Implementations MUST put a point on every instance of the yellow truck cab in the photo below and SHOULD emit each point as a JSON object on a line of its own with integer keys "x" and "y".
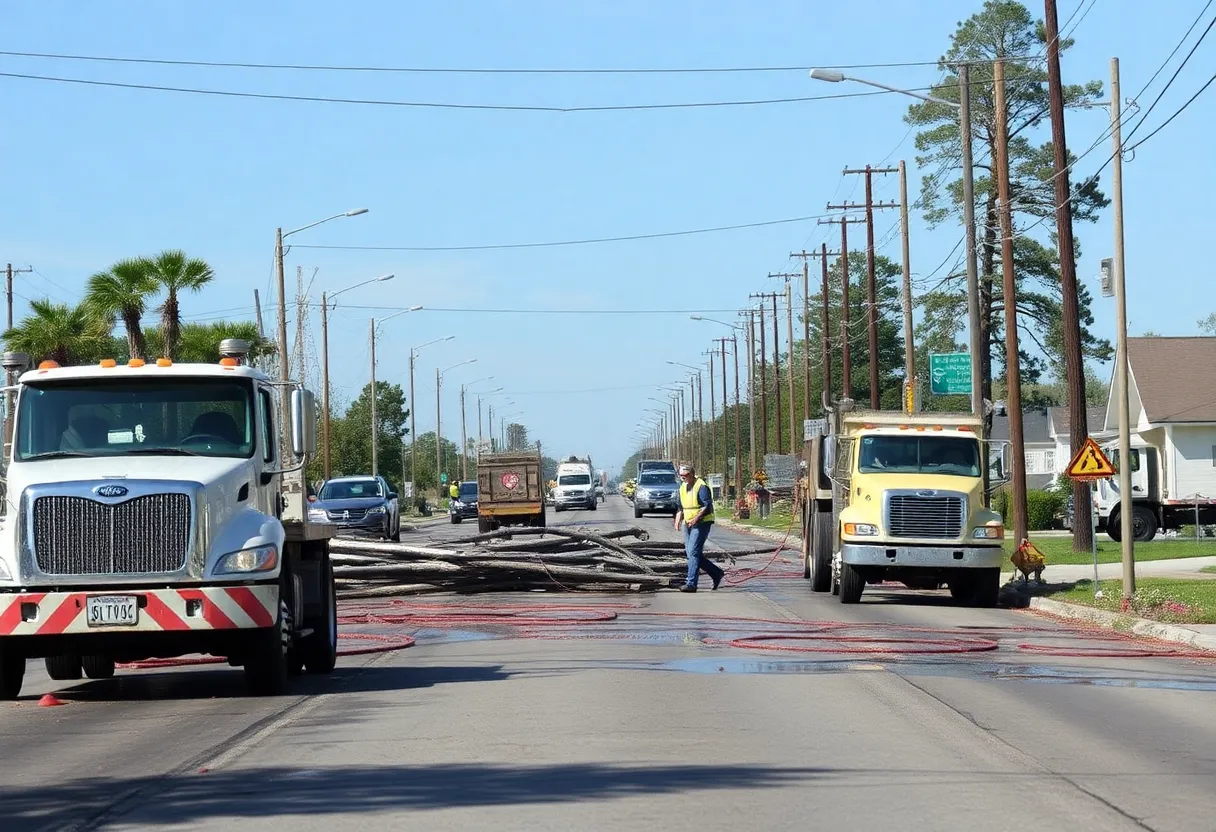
{"x": 900, "y": 498}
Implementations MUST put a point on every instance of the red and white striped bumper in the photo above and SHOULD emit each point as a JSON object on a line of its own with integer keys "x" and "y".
{"x": 162, "y": 610}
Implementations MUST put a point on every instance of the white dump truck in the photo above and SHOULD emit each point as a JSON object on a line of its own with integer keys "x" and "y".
{"x": 151, "y": 511}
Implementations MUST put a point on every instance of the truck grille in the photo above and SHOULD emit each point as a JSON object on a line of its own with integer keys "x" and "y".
{"x": 910, "y": 515}
{"x": 78, "y": 536}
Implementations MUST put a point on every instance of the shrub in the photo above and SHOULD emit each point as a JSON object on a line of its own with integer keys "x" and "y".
{"x": 1041, "y": 507}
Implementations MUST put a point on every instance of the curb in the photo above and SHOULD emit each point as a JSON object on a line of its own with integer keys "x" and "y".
{"x": 1127, "y": 623}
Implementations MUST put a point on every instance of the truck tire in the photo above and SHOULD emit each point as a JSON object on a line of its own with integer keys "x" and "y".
{"x": 63, "y": 668}
{"x": 985, "y": 587}
{"x": 594, "y": 505}
{"x": 485, "y": 525}
{"x": 97, "y": 667}
{"x": 961, "y": 585}
{"x": 12, "y": 674}
{"x": 320, "y": 650}
{"x": 821, "y": 561}
{"x": 1144, "y": 524}
{"x": 852, "y": 584}
{"x": 266, "y": 663}
{"x": 637, "y": 514}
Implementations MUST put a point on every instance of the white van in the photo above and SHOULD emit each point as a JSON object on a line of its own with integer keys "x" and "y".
{"x": 575, "y": 485}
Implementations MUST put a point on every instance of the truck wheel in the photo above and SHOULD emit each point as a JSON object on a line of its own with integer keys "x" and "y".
{"x": 594, "y": 505}
{"x": 12, "y": 674}
{"x": 852, "y": 584}
{"x": 821, "y": 562}
{"x": 97, "y": 667}
{"x": 962, "y": 587}
{"x": 485, "y": 525}
{"x": 1114, "y": 525}
{"x": 320, "y": 650}
{"x": 266, "y": 663}
{"x": 637, "y": 514}
{"x": 63, "y": 668}
{"x": 1144, "y": 524}
{"x": 985, "y": 587}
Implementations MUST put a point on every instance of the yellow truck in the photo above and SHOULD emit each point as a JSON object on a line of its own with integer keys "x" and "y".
{"x": 888, "y": 496}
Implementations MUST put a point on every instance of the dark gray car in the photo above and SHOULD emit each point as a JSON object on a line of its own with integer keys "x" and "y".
{"x": 656, "y": 491}
{"x": 360, "y": 505}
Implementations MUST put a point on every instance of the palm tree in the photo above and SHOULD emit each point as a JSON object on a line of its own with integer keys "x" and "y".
{"x": 124, "y": 291}
{"x": 61, "y": 333}
{"x": 175, "y": 272}
{"x": 200, "y": 343}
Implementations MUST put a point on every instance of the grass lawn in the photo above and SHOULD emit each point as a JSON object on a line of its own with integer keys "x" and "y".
{"x": 1176, "y": 601}
{"x": 777, "y": 520}
{"x": 1058, "y": 550}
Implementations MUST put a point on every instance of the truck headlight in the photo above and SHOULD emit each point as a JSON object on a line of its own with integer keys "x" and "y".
{"x": 860, "y": 529}
{"x": 257, "y": 559}
{"x": 989, "y": 533}
{"x": 376, "y": 510}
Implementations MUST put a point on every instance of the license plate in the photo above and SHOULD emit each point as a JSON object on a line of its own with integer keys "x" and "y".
{"x": 112, "y": 611}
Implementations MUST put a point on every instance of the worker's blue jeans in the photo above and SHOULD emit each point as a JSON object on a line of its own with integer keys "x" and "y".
{"x": 694, "y": 546}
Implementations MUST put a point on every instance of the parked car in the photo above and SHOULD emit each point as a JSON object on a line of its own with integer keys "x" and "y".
{"x": 464, "y": 507}
{"x": 360, "y": 505}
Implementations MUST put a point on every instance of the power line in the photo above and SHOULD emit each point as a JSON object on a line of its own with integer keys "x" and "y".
{"x": 442, "y": 105}
{"x": 1173, "y": 78}
{"x": 587, "y": 241}
{"x": 458, "y": 70}
{"x": 1175, "y": 114}
{"x": 499, "y": 311}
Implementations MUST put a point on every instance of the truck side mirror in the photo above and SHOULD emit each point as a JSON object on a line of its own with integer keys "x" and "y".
{"x": 303, "y": 422}
{"x": 829, "y": 452}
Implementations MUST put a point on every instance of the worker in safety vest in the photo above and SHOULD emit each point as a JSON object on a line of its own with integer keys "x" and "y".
{"x": 697, "y": 514}
{"x": 454, "y": 491}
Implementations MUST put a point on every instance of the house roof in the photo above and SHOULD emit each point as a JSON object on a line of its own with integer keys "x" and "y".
{"x": 1034, "y": 427}
{"x": 1174, "y": 377}
{"x": 1095, "y": 417}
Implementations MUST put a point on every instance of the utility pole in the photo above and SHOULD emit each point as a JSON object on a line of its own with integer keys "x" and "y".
{"x": 1013, "y": 374}
{"x": 1070, "y": 323}
{"x": 806, "y": 332}
{"x": 751, "y": 387}
{"x": 825, "y": 325}
{"x": 973, "y": 279}
{"x": 763, "y": 390}
{"x": 725, "y": 407}
{"x": 701, "y": 415}
{"x": 413, "y": 429}
{"x": 439, "y": 438}
{"x": 734, "y": 338}
{"x": 301, "y": 311}
{"x": 372, "y": 333}
{"x": 846, "y": 359}
{"x": 713, "y": 417}
{"x": 284, "y": 369}
{"x": 909, "y": 345}
{"x": 9, "y": 271}
{"x": 789, "y": 304}
{"x": 871, "y": 281}
{"x": 763, "y": 296}
{"x": 464, "y": 441}
{"x": 325, "y": 428}
{"x": 1121, "y": 361}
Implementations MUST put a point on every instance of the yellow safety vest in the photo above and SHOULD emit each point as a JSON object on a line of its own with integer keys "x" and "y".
{"x": 454, "y": 491}
{"x": 690, "y": 501}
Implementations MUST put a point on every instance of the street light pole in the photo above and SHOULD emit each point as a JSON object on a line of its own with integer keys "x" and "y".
{"x": 372, "y": 392}
{"x": 438, "y": 426}
{"x": 284, "y": 368}
{"x": 414, "y": 410}
{"x": 325, "y": 391}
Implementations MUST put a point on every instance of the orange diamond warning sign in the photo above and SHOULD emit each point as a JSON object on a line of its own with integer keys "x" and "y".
{"x": 1090, "y": 463}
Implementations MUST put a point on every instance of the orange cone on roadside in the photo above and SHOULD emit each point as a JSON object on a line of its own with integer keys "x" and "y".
{"x": 50, "y": 700}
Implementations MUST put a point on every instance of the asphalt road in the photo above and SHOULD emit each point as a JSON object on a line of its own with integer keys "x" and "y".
{"x": 639, "y": 723}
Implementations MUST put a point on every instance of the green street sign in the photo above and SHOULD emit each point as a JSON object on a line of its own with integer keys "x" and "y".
{"x": 950, "y": 374}
{"x": 443, "y": 479}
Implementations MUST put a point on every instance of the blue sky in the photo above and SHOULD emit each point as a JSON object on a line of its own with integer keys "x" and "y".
{"x": 94, "y": 174}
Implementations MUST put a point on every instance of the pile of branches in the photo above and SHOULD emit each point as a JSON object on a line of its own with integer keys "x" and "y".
{"x": 515, "y": 559}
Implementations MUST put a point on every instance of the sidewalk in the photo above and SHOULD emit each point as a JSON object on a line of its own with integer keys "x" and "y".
{"x": 1173, "y": 568}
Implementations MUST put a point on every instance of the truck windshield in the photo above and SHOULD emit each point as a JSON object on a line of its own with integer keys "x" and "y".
{"x": 171, "y": 416}
{"x": 919, "y": 455}
{"x": 574, "y": 479}
{"x": 657, "y": 479}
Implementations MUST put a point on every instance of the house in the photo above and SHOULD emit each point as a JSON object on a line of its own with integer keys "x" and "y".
{"x": 1040, "y": 446}
{"x": 1172, "y": 407}
{"x": 1046, "y": 434}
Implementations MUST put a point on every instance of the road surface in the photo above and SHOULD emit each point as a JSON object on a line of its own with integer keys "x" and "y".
{"x": 638, "y": 723}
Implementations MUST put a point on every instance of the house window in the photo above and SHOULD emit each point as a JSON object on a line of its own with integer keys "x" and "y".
{"x": 1041, "y": 462}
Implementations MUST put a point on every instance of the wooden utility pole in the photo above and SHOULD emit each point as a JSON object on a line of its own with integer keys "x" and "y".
{"x": 806, "y": 331}
{"x": 1013, "y": 375}
{"x": 734, "y": 341}
{"x": 9, "y": 399}
{"x": 763, "y": 385}
{"x": 789, "y": 314}
{"x": 909, "y": 345}
{"x": 372, "y": 389}
{"x": 9, "y": 271}
{"x": 845, "y": 351}
{"x": 763, "y": 296}
{"x": 721, "y": 342}
{"x": 1070, "y": 322}
{"x": 713, "y": 436}
{"x": 751, "y": 386}
{"x": 871, "y": 281}
{"x": 825, "y": 325}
